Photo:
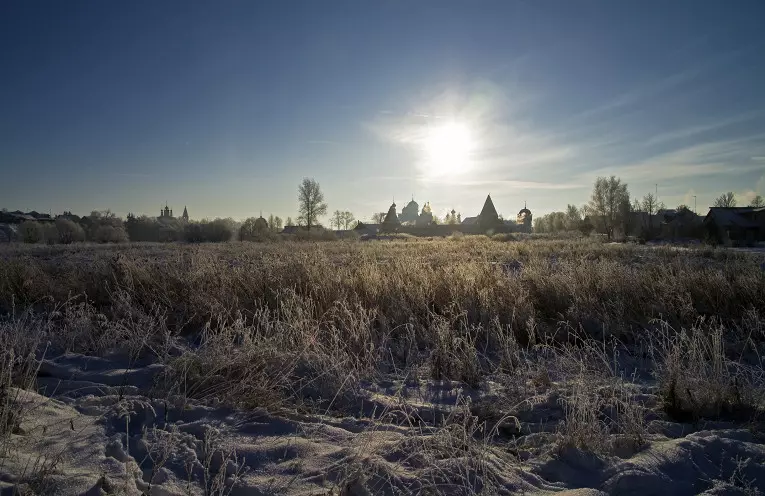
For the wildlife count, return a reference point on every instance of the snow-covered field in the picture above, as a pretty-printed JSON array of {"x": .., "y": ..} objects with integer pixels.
[
  {"x": 648, "y": 379},
  {"x": 98, "y": 429}
]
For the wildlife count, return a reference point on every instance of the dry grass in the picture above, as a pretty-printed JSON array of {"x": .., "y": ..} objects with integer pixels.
[{"x": 301, "y": 326}]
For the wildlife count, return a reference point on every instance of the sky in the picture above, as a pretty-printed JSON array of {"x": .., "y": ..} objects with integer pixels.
[{"x": 225, "y": 106}]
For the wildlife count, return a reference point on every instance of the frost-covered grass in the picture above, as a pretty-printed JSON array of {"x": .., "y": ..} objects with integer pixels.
[{"x": 452, "y": 358}]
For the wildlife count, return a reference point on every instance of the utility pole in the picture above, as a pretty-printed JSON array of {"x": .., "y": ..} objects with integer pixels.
[{"x": 694, "y": 205}]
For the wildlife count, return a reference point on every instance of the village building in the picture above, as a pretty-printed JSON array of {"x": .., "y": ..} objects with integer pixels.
[
  {"x": 426, "y": 216},
  {"x": 410, "y": 213},
  {"x": 735, "y": 225},
  {"x": 167, "y": 214},
  {"x": 524, "y": 219}
]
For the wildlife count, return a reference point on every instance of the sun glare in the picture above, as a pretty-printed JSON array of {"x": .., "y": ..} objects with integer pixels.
[{"x": 448, "y": 148}]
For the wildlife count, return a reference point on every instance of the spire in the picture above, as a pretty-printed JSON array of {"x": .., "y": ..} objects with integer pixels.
[
  {"x": 185, "y": 213},
  {"x": 488, "y": 218},
  {"x": 391, "y": 219}
]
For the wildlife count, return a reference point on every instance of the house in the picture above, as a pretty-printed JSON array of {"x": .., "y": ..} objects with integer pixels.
[
  {"x": 735, "y": 225},
  {"x": 680, "y": 223},
  {"x": 17, "y": 217},
  {"x": 367, "y": 229}
]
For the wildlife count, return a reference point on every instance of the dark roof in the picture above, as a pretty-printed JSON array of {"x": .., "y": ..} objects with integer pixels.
[
  {"x": 366, "y": 227},
  {"x": 488, "y": 211},
  {"x": 732, "y": 216},
  {"x": 469, "y": 220}
]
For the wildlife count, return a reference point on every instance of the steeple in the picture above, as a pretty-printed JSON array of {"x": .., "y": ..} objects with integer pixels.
[
  {"x": 488, "y": 218},
  {"x": 185, "y": 213},
  {"x": 391, "y": 222}
]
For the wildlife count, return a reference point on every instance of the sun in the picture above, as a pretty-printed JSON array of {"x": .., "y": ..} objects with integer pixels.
[{"x": 448, "y": 148}]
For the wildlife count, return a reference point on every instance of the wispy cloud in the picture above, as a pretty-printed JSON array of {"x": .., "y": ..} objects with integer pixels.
[
  {"x": 696, "y": 130},
  {"x": 721, "y": 157}
]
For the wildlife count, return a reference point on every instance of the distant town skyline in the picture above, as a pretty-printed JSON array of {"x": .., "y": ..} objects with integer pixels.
[{"x": 225, "y": 107}]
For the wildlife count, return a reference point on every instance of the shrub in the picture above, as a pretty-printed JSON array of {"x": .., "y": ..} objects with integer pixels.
[
  {"x": 69, "y": 232},
  {"x": 31, "y": 232},
  {"x": 50, "y": 233},
  {"x": 215, "y": 231},
  {"x": 109, "y": 234},
  {"x": 254, "y": 230}
]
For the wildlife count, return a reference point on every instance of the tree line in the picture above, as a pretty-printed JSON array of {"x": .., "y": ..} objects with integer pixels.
[
  {"x": 610, "y": 210},
  {"x": 105, "y": 227}
]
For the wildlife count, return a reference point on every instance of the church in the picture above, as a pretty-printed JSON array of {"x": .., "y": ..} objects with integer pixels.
[
  {"x": 422, "y": 223},
  {"x": 167, "y": 214}
]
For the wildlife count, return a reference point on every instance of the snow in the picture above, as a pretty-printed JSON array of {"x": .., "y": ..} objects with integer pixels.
[{"x": 99, "y": 428}]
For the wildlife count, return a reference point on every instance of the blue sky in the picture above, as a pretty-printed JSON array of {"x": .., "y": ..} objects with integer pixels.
[{"x": 226, "y": 106}]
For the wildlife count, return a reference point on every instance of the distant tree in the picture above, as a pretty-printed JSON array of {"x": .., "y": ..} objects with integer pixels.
[
  {"x": 103, "y": 226},
  {"x": 586, "y": 226},
  {"x": 31, "y": 232},
  {"x": 378, "y": 218},
  {"x": 215, "y": 231},
  {"x": 288, "y": 222},
  {"x": 573, "y": 218},
  {"x": 50, "y": 233},
  {"x": 539, "y": 224},
  {"x": 310, "y": 202},
  {"x": 278, "y": 223},
  {"x": 69, "y": 231},
  {"x": 348, "y": 219},
  {"x": 627, "y": 212},
  {"x": 336, "y": 220},
  {"x": 253, "y": 229},
  {"x": 725, "y": 200},
  {"x": 607, "y": 204},
  {"x": 650, "y": 204},
  {"x": 757, "y": 201},
  {"x": 459, "y": 218},
  {"x": 271, "y": 223},
  {"x": 106, "y": 233},
  {"x": 451, "y": 218}
]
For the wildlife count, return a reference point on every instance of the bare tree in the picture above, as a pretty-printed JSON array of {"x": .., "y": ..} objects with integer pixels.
[
  {"x": 337, "y": 219},
  {"x": 378, "y": 218},
  {"x": 288, "y": 222},
  {"x": 348, "y": 219},
  {"x": 607, "y": 204},
  {"x": 651, "y": 206},
  {"x": 278, "y": 223},
  {"x": 310, "y": 202},
  {"x": 757, "y": 201},
  {"x": 725, "y": 200}
]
